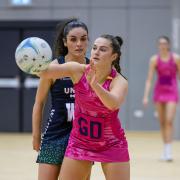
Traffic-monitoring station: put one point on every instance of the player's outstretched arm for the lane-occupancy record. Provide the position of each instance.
(73, 70)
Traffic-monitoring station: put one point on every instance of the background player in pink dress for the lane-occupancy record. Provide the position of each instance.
(166, 64)
(97, 134)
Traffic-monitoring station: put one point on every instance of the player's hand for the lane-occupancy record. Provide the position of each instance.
(91, 76)
(36, 143)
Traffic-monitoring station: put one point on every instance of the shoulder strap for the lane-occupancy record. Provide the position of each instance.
(61, 60)
(87, 60)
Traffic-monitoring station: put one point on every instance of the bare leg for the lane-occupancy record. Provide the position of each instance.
(170, 115)
(48, 171)
(75, 169)
(116, 171)
(88, 177)
(160, 107)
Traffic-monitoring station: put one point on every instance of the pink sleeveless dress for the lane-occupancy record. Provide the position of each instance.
(97, 134)
(166, 87)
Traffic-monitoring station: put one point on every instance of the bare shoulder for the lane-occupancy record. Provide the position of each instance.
(77, 70)
(176, 57)
(153, 61)
(153, 58)
(120, 80)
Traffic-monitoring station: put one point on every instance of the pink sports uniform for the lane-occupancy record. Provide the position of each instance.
(166, 87)
(97, 134)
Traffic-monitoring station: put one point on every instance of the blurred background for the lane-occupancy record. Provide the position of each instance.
(138, 22)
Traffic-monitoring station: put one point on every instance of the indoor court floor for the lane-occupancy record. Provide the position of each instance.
(18, 159)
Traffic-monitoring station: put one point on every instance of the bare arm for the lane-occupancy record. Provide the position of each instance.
(73, 70)
(152, 66)
(40, 100)
(177, 60)
(115, 97)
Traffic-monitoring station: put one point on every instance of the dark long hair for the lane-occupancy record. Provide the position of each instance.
(62, 31)
(116, 43)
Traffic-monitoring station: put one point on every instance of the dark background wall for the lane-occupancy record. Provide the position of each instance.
(17, 91)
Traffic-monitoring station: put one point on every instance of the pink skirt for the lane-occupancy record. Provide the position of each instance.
(165, 95)
(115, 153)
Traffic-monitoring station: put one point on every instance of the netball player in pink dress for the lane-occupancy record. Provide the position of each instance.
(97, 135)
(167, 65)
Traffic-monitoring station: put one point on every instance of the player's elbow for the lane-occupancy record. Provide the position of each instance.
(38, 106)
(114, 106)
